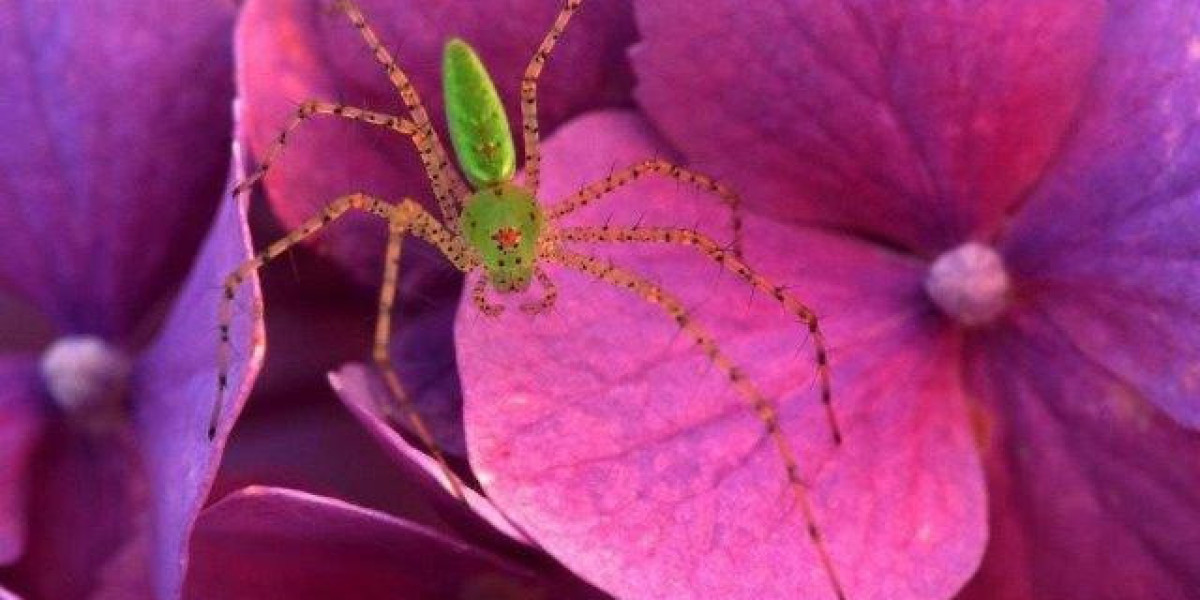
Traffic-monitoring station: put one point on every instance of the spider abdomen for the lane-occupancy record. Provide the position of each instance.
(478, 124)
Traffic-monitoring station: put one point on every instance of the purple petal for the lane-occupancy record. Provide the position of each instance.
(88, 508)
(364, 394)
(7, 595)
(601, 429)
(294, 50)
(116, 162)
(307, 448)
(278, 543)
(21, 423)
(918, 122)
(1110, 245)
(318, 318)
(1094, 490)
(175, 386)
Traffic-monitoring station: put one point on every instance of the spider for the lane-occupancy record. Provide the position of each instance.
(493, 224)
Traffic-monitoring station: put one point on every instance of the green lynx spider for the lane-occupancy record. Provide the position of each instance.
(500, 226)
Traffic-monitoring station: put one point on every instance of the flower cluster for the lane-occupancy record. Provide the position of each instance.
(992, 207)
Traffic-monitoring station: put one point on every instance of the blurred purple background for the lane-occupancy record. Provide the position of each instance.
(1020, 416)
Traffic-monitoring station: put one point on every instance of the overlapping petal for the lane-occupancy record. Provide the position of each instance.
(367, 399)
(127, 536)
(175, 386)
(601, 429)
(1061, 132)
(919, 123)
(333, 547)
(1110, 244)
(476, 520)
(108, 194)
(1094, 491)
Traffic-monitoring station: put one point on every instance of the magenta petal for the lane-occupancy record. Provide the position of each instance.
(7, 595)
(601, 429)
(20, 428)
(295, 50)
(175, 386)
(1110, 246)
(115, 151)
(918, 122)
(1095, 491)
(279, 543)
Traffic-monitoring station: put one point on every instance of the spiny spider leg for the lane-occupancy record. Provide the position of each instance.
(653, 293)
(549, 294)
(403, 218)
(709, 248)
(529, 82)
(655, 166)
(433, 154)
(312, 108)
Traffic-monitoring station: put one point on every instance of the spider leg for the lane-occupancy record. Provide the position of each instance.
(433, 153)
(330, 213)
(529, 82)
(549, 295)
(731, 262)
(654, 166)
(653, 293)
(479, 296)
(406, 217)
(402, 222)
(313, 108)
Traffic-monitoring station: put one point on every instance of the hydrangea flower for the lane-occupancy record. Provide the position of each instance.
(1001, 238)
(113, 171)
(1025, 175)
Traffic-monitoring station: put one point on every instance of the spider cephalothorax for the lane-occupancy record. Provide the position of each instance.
(502, 224)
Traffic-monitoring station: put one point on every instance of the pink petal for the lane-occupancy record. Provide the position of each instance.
(175, 386)
(290, 51)
(603, 431)
(1110, 246)
(21, 422)
(278, 543)
(1094, 490)
(920, 123)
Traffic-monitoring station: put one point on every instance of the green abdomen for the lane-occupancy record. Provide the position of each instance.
(479, 128)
